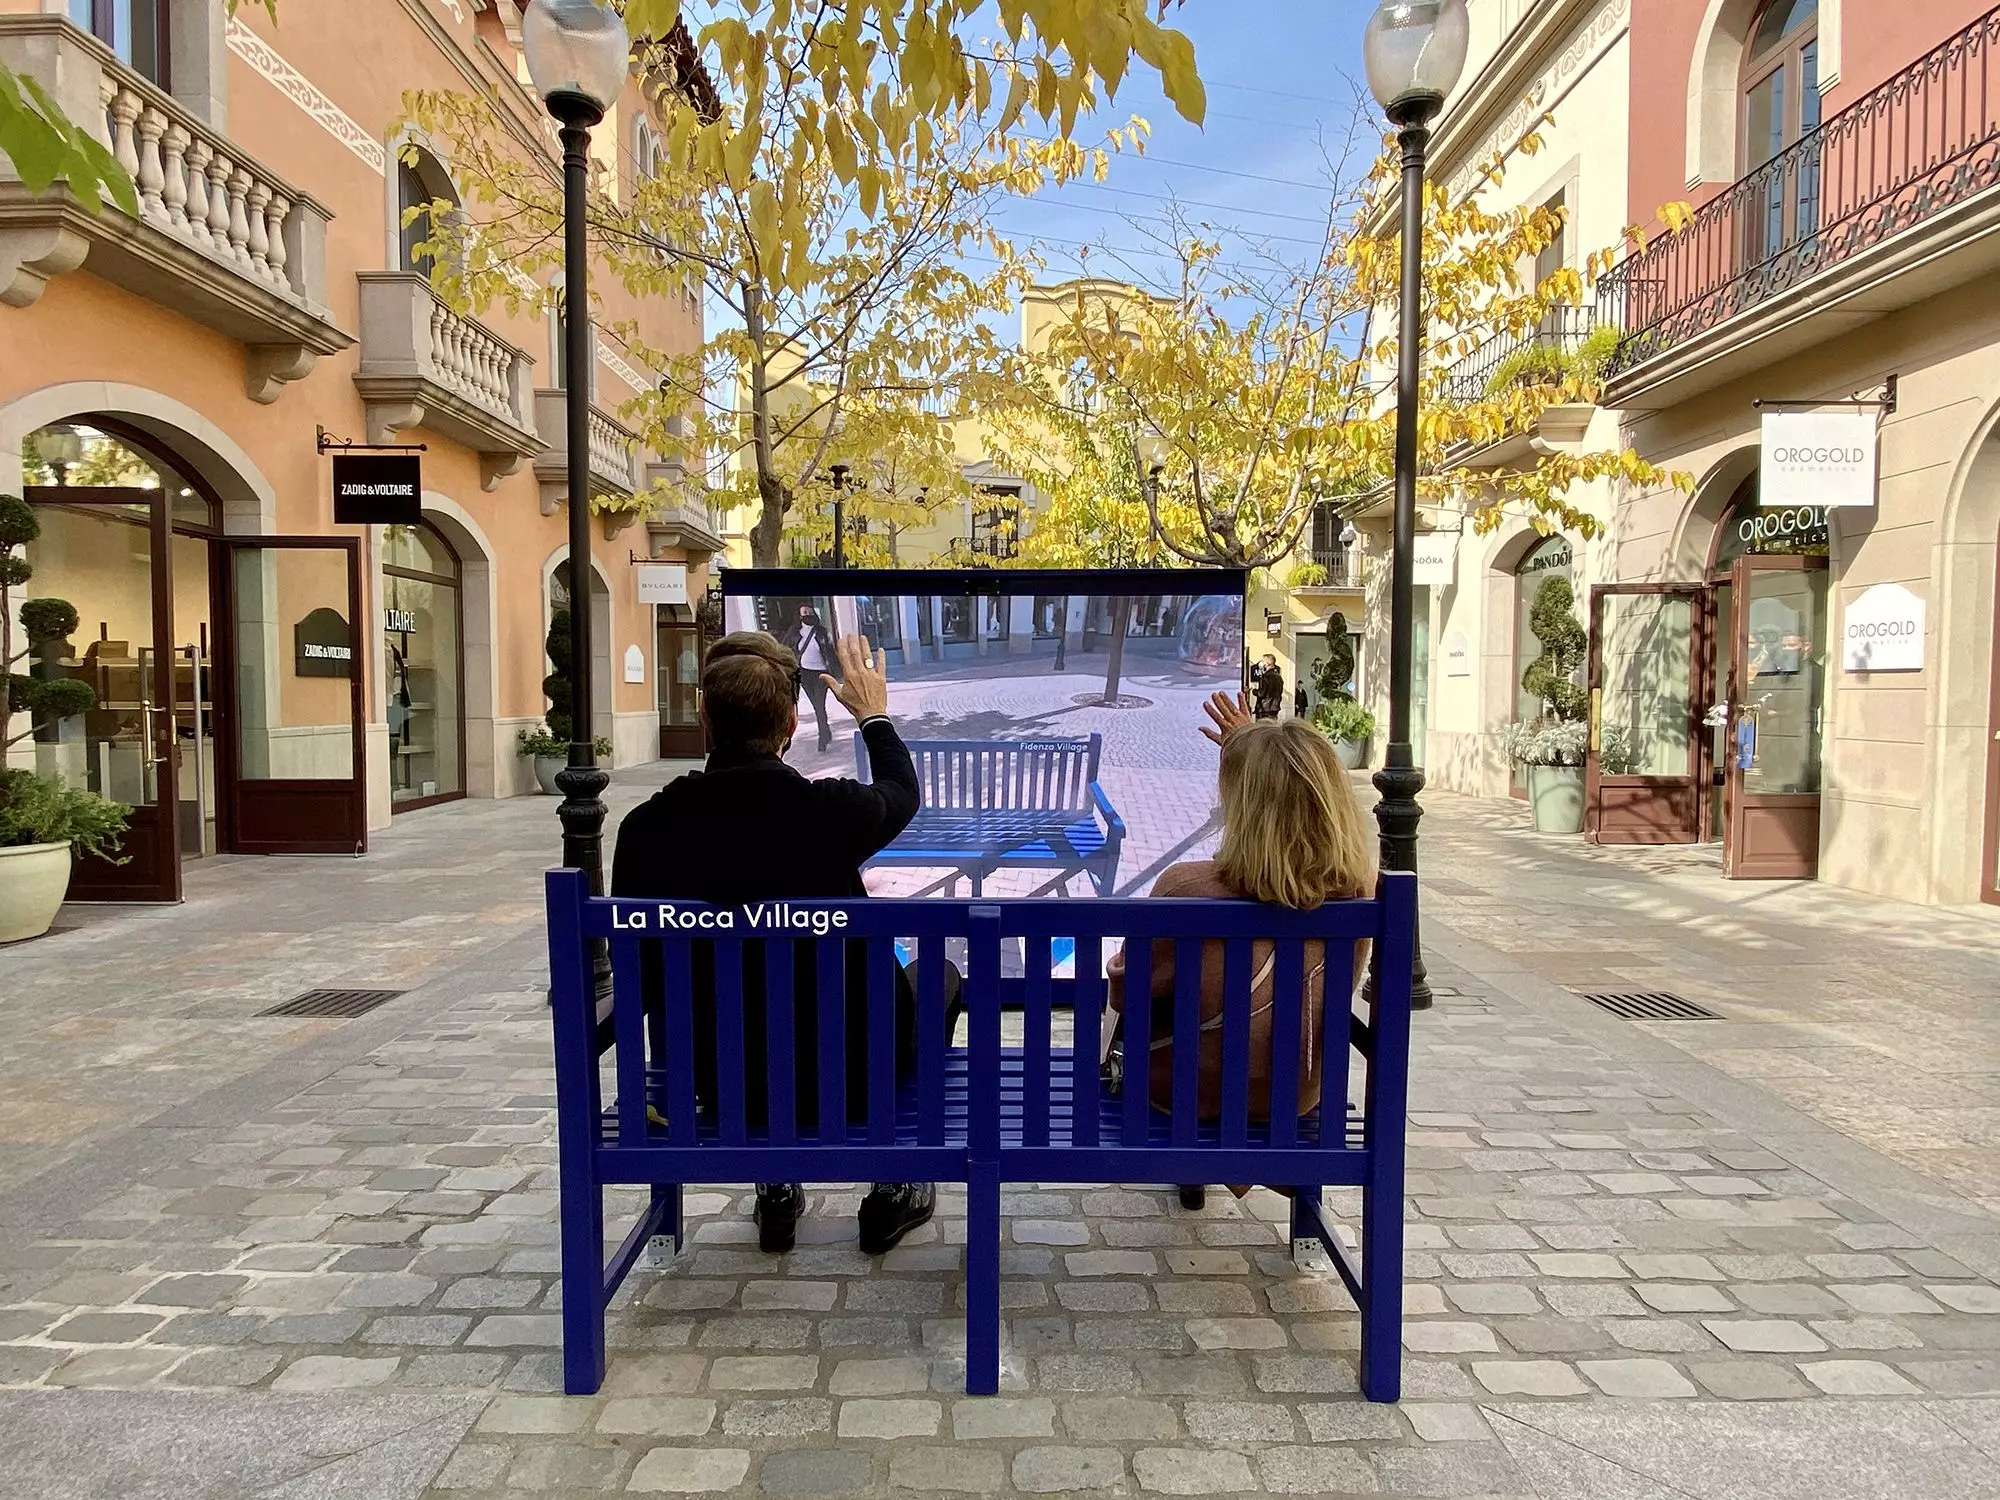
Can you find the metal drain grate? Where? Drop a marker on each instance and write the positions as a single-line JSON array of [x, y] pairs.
[[1651, 1005], [343, 1004]]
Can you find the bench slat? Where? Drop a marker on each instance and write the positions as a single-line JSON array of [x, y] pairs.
[[1337, 1034], [932, 1043], [881, 1039], [830, 954], [729, 1045], [1087, 1013], [628, 1023], [1037, 1015], [1187, 1038], [1136, 1020], [1236, 975], [1287, 1012], [780, 1052], [678, 987]]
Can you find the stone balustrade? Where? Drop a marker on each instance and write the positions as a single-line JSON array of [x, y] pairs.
[[614, 451]]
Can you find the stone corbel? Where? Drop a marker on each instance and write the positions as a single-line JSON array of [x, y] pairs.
[[615, 521], [269, 368], [1561, 427], [388, 418], [495, 467], [31, 255], [553, 494]]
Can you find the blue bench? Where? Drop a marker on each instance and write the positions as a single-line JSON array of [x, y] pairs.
[[977, 1114], [993, 805]]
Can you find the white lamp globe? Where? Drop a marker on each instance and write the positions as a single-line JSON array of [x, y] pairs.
[[1414, 51], [577, 51]]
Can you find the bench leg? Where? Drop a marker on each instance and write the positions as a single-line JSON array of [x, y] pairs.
[[1305, 1214], [982, 1280], [667, 1207], [1382, 1286], [582, 1284]]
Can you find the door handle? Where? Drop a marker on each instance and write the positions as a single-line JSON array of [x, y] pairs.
[[146, 712]]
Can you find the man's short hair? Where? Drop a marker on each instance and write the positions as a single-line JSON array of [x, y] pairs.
[[748, 689]]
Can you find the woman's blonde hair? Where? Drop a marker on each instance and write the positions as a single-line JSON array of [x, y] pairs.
[[1292, 829]]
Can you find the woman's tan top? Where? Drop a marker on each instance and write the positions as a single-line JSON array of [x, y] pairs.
[[1200, 879]]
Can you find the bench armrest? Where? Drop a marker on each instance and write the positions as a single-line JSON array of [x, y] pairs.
[[1114, 826]]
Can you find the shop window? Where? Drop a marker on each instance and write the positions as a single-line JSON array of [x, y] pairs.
[[137, 30], [958, 621], [1780, 108], [421, 185], [1551, 558], [424, 663]]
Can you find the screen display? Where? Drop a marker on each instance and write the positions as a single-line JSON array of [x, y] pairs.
[[1055, 718]]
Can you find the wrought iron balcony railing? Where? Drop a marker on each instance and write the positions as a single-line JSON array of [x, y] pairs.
[[1340, 565], [1543, 355], [1926, 140]]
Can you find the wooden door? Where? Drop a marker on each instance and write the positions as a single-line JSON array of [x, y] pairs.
[[297, 779], [1642, 779], [677, 669], [105, 550], [1777, 709]]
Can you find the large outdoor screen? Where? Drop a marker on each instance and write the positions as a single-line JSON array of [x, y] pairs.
[[1055, 717]]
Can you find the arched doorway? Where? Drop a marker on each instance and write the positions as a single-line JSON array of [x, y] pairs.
[[423, 622], [225, 684], [1764, 739]]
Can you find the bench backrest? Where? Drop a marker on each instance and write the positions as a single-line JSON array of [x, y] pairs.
[[972, 775], [652, 1036]]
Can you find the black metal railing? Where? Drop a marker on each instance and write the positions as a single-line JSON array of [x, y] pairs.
[[1342, 567], [1543, 355], [1924, 141]]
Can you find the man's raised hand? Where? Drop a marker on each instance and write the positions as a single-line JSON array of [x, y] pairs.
[[863, 689], [1225, 712]]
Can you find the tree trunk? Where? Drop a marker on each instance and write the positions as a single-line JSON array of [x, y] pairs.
[[1121, 619], [768, 535]]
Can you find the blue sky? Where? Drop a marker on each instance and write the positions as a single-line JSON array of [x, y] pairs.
[[1278, 72]]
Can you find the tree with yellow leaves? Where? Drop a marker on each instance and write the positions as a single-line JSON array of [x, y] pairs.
[[834, 225], [1264, 386]]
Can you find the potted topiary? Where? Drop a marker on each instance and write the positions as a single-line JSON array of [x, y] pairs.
[[1349, 726], [550, 754], [1552, 746], [44, 822]]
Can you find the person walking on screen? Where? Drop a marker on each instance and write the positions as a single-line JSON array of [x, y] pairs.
[[815, 652], [748, 828]]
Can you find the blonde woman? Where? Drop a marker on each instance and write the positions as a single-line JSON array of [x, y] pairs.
[[1293, 834]]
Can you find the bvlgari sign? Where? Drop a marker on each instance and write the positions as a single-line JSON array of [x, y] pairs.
[[1818, 458], [1883, 631]]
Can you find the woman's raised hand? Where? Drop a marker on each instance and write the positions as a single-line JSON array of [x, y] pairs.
[[1225, 711]]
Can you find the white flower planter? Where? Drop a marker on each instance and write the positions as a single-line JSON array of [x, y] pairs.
[[546, 767], [1353, 753], [1556, 794], [34, 878]]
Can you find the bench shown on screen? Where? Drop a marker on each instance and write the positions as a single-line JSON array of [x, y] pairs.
[[978, 1113], [991, 805]]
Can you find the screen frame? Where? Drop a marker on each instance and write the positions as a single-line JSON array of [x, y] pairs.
[[1001, 582]]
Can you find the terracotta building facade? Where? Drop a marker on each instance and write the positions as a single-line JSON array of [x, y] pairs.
[[270, 681]]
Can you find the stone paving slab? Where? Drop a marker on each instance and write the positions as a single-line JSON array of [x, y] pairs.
[[1617, 1258]]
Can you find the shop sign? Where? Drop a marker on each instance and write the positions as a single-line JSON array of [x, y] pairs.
[[399, 621], [1436, 558], [663, 583], [322, 646], [1883, 631], [635, 664], [1819, 458], [1457, 655], [377, 489]]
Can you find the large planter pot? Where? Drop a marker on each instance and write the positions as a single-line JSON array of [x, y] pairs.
[[1556, 794], [1353, 753], [33, 880], [546, 767]]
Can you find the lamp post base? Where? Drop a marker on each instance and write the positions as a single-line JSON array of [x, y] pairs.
[[1397, 814]]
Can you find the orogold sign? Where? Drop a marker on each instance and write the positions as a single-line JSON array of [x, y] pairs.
[[1818, 459]]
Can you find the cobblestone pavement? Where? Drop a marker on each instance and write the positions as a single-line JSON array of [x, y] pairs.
[[1879, 1018], [319, 1265]]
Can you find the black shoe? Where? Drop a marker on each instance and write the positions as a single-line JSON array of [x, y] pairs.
[[892, 1210], [1193, 1197], [779, 1205]]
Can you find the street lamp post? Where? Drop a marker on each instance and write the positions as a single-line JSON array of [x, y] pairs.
[[578, 53], [839, 483], [1414, 51]]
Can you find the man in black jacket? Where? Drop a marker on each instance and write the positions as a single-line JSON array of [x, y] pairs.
[[750, 828]]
